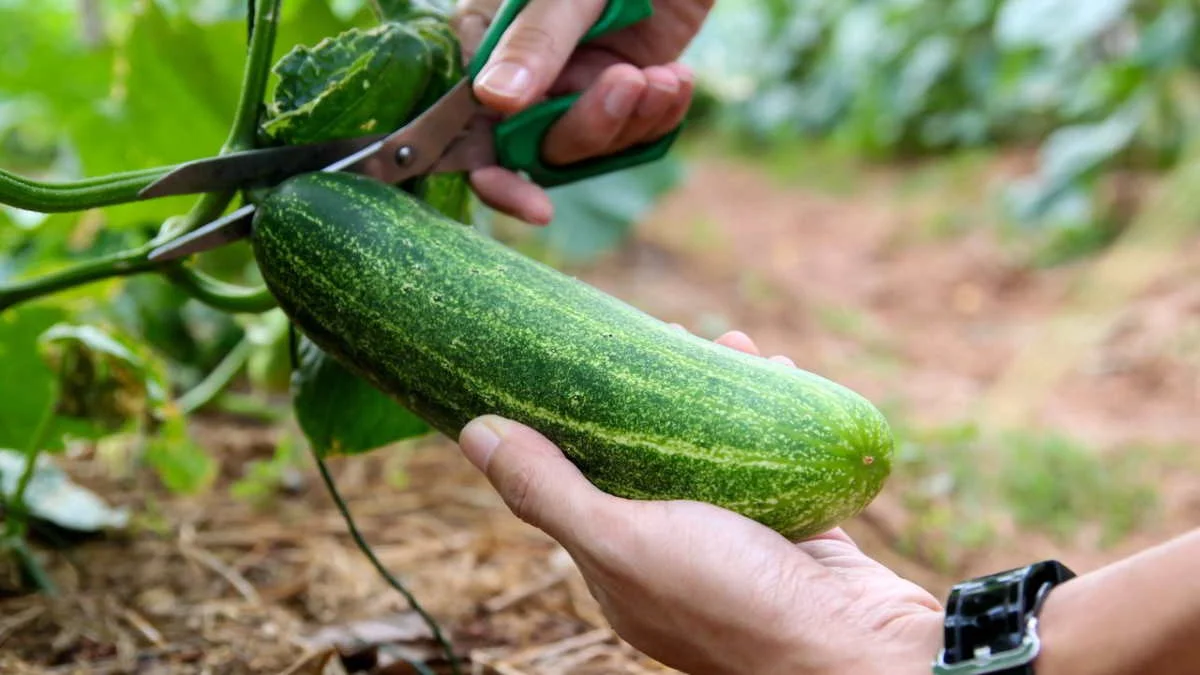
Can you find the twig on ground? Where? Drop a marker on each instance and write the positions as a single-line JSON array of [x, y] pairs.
[[143, 626], [499, 603], [214, 563], [14, 623]]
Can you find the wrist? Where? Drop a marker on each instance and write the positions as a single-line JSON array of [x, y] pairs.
[[1061, 650], [907, 645]]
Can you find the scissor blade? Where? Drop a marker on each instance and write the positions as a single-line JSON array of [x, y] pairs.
[[225, 230], [450, 135], [253, 168]]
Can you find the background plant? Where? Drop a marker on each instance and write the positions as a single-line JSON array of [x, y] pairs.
[[1092, 84]]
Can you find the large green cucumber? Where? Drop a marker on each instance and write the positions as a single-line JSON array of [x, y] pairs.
[[453, 324]]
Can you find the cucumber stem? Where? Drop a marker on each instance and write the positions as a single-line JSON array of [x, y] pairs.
[[207, 289], [242, 132], [80, 195], [125, 263], [215, 382], [263, 29], [220, 294]]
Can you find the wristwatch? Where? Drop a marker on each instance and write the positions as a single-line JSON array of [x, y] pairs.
[[991, 621]]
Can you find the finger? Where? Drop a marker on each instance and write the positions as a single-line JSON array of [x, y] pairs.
[[780, 358], [738, 340], [591, 125], [676, 113], [661, 88], [470, 22], [509, 193], [533, 51], [534, 478], [584, 68], [678, 326]]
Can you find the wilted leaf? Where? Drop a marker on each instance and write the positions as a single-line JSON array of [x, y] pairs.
[[52, 496], [343, 414], [102, 385]]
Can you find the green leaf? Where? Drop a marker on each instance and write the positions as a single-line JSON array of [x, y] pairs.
[[1069, 157], [51, 496], [401, 10], [172, 101], [183, 466], [27, 387], [269, 366], [1056, 24], [593, 216], [359, 82], [342, 414]]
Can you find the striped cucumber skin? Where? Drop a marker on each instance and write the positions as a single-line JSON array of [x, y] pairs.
[[453, 324]]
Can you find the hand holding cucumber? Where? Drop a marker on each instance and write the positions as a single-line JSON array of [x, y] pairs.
[[704, 590], [634, 91]]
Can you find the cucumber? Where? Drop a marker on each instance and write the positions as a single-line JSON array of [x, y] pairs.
[[452, 324]]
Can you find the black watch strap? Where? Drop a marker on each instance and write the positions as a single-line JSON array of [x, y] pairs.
[[990, 624]]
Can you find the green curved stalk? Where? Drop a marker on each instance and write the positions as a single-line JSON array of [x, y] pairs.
[[217, 379], [125, 263], [220, 294], [80, 195], [245, 118]]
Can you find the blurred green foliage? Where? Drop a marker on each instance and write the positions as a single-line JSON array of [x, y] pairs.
[[1093, 82]]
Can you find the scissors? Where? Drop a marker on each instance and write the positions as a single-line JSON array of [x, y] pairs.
[[454, 134]]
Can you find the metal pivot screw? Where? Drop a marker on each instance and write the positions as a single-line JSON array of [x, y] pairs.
[[405, 155]]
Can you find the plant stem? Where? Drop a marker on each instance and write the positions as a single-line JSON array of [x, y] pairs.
[[217, 379], [17, 513], [242, 130], [254, 78], [387, 576], [89, 193], [16, 526], [219, 294], [244, 405], [32, 568], [125, 263]]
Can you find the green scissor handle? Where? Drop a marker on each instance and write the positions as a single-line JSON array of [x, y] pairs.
[[519, 137]]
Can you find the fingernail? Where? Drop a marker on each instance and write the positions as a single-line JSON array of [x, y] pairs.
[[620, 101], [480, 438], [506, 80]]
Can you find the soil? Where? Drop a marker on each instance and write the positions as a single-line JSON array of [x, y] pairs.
[[859, 287]]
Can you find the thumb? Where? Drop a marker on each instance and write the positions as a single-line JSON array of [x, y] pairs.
[[533, 51], [534, 478]]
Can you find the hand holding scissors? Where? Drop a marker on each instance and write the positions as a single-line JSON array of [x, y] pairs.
[[458, 133]]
